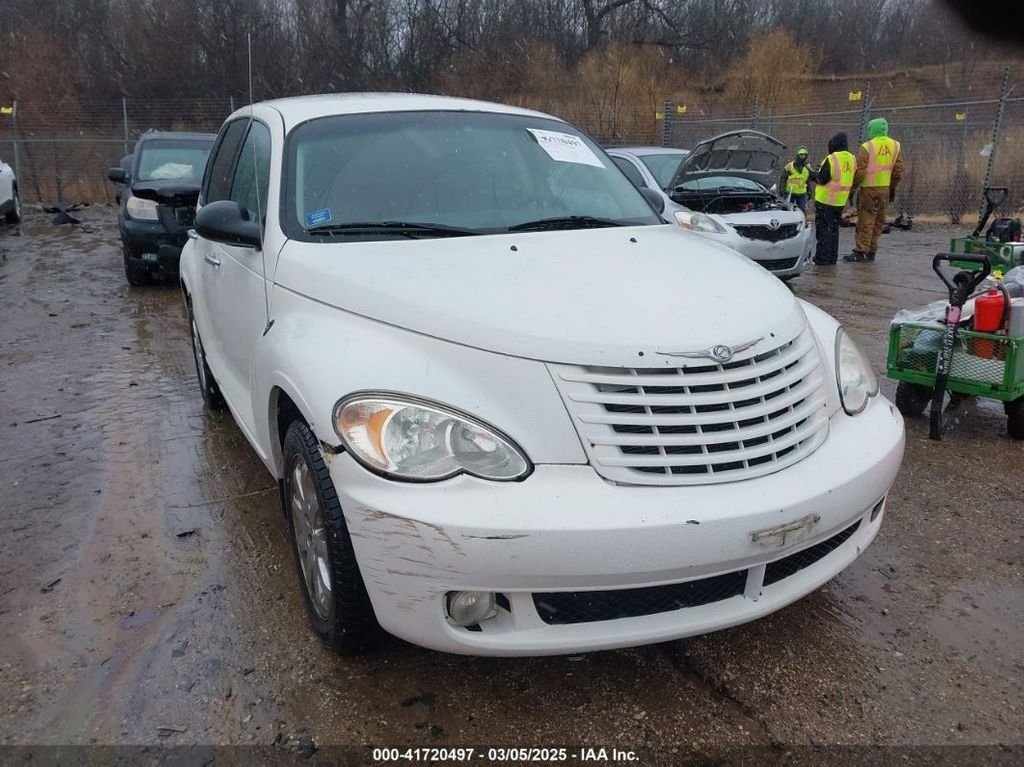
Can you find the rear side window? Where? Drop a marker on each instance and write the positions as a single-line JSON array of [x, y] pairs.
[[631, 172], [252, 172], [218, 179]]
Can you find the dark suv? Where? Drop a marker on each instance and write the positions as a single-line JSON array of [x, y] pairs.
[[157, 205]]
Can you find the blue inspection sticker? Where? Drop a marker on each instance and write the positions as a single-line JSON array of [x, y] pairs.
[[318, 217]]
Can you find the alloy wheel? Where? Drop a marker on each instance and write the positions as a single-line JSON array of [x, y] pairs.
[[310, 537]]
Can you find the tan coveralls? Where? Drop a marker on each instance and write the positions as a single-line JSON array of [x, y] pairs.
[[872, 201]]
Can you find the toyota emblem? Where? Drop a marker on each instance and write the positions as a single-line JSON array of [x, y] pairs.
[[773, 224]]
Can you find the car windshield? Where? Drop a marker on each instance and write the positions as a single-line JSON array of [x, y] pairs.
[[662, 166], [720, 184], [173, 160], [421, 174]]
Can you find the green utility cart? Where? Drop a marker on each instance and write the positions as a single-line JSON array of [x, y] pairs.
[[982, 365], [1003, 256]]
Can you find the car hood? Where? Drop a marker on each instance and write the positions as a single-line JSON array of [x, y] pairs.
[[623, 297], [170, 192], [748, 154]]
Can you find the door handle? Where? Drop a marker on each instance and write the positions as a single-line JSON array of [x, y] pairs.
[[193, 234], [212, 260]]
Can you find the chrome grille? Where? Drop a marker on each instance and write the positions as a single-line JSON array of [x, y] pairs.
[[701, 423]]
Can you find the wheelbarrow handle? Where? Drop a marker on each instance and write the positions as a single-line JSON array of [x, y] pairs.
[[963, 283]]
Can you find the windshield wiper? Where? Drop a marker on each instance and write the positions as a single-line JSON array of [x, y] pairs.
[[565, 222], [407, 228]]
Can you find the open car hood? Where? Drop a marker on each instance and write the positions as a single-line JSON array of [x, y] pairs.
[[748, 154], [171, 192]]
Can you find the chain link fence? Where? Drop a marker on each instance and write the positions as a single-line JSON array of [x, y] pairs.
[[952, 148]]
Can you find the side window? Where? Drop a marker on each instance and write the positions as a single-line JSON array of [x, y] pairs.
[[217, 185], [252, 172], [631, 172]]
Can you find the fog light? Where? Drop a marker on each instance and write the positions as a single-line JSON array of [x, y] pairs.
[[468, 608]]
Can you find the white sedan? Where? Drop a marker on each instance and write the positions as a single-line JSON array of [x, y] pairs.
[[10, 199], [722, 190], [511, 411]]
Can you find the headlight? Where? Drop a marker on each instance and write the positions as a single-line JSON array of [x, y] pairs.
[[143, 210], [856, 377], [406, 438], [698, 222]]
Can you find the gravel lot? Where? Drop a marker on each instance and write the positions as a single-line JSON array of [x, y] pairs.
[[148, 596]]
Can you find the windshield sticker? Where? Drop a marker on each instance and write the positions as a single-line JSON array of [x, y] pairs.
[[564, 147], [318, 217]]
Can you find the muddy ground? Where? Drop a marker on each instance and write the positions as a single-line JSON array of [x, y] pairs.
[[148, 596]]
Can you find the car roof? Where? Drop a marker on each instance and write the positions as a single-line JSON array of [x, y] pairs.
[[179, 135], [642, 150], [299, 109]]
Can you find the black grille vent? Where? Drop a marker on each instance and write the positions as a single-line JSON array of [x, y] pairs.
[[777, 264], [760, 232], [794, 563], [587, 606]]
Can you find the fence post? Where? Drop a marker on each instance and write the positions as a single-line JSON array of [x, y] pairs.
[[231, 102], [124, 115], [666, 123], [865, 113], [997, 127], [757, 111], [15, 143]]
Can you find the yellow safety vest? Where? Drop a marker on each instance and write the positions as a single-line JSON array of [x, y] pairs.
[[882, 153], [797, 181], [842, 165]]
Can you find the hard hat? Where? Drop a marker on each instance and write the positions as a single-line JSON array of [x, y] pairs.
[[801, 150]]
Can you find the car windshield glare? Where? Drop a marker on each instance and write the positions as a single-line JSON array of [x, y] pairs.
[[662, 166], [477, 172], [162, 160]]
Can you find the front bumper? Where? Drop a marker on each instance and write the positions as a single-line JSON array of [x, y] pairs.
[[155, 245], [784, 259], [564, 529]]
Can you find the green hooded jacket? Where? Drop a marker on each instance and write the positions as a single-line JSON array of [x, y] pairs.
[[878, 127]]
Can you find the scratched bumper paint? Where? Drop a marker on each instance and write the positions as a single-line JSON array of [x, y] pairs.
[[566, 529]]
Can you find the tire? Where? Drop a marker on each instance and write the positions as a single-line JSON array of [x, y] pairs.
[[339, 610], [13, 216], [212, 398], [912, 399], [135, 274], [1015, 418]]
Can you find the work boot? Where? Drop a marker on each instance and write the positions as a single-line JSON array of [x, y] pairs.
[[856, 256], [871, 255]]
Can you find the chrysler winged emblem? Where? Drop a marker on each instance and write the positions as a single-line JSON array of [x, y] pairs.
[[718, 353]]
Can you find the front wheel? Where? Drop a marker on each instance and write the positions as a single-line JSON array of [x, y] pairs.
[[333, 589], [13, 216], [1015, 418], [207, 385], [912, 398]]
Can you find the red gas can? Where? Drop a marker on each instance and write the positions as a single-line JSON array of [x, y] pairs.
[[988, 311]]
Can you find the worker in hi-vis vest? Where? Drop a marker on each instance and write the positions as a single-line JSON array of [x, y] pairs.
[[795, 175], [879, 170], [835, 179]]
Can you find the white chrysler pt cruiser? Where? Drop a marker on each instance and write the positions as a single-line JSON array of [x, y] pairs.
[[511, 410]]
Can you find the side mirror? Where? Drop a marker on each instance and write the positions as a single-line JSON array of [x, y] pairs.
[[654, 198], [227, 222], [117, 175]]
